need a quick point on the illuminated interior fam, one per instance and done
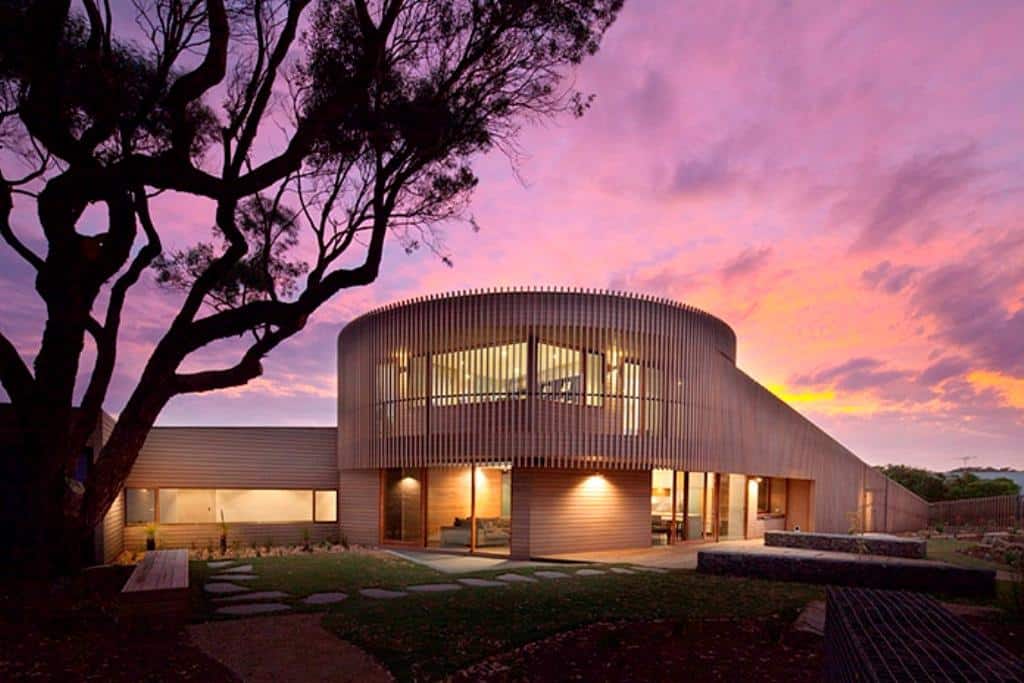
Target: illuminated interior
(209, 506)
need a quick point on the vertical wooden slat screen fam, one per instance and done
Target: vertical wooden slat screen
(699, 413)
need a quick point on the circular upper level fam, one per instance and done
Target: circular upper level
(524, 377)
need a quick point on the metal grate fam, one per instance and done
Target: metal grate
(878, 635)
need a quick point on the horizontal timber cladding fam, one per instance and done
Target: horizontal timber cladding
(244, 534)
(359, 506)
(569, 511)
(111, 532)
(237, 457)
(655, 386)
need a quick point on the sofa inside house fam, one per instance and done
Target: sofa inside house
(490, 531)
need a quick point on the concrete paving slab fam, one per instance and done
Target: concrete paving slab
(482, 583)
(324, 598)
(434, 588)
(220, 564)
(256, 608)
(622, 570)
(382, 593)
(652, 570)
(233, 577)
(812, 618)
(448, 563)
(224, 588)
(241, 569)
(258, 595)
(589, 572)
(551, 575)
(517, 578)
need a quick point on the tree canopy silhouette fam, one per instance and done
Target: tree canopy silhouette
(312, 130)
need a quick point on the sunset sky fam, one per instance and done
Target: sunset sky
(841, 183)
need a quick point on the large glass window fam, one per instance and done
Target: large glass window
(559, 373)
(487, 373)
(696, 510)
(732, 506)
(449, 507)
(140, 506)
(652, 400)
(771, 496)
(403, 513)
(181, 506)
(207, 506)
(595, 379)
(631, 398)
(326, 506)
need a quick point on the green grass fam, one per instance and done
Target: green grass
(301, 575)
(947, 550)
(431, 636)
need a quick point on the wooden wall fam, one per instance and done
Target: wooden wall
(237, 457)
(110, 535)
(200, 536)
(800, 505)
(359, 506)
(566, 511)
(705, 415)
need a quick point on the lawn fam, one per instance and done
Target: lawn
(947, 550)
(431, 636)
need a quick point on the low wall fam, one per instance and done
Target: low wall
(843, 543)
(244, 533)
(891, 573)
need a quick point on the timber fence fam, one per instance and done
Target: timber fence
(999, 510)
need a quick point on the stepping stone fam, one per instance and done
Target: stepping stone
(589, 572)
(434, 587)
(258, 608)
(325, 598)
(551, 575)
(382, 593)
(224, 588)
(234, 577)
(653, 570)
(258, 595)
(481, 583)
(220, 564)
(622, 570)
(517, 578)
(241, 569)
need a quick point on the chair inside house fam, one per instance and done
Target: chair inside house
(490, 532)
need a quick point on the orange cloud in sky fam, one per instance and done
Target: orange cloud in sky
(1010, 388)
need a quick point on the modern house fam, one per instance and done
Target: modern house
(530, 423)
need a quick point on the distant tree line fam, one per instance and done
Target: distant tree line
(935, 486)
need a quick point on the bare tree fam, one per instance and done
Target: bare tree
(377, 108)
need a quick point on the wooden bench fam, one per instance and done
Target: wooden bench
(158, 588)
(881, 635)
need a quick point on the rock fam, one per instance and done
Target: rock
(224, 588)
(324, 598)
(257, 608)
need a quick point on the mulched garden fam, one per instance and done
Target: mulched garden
(711, 649)
(68, 632)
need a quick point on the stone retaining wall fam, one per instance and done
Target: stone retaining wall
(914, 575)
(844, 543)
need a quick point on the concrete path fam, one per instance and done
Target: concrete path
(463, 564)
(262, 650)
(678, 556)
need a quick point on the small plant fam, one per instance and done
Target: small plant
(344, 541)
(305, 540)
(940, 527)
(151, 530)
(223, 534)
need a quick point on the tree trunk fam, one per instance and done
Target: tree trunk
(45, 537)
